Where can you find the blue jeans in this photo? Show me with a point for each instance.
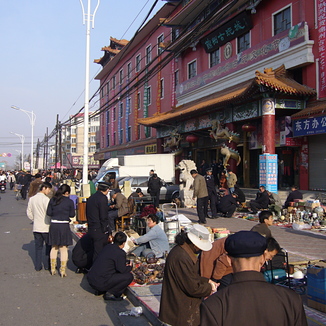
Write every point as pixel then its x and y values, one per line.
pixel 40 239
pixel 142 250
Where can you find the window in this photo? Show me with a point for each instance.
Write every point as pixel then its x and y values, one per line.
pixel 129 70
pixel 108 140
pixel 121 110
pixel 92 149
pixel 121 76
pixel 95 119
pixel 282 20
pixel 128 105
pixel 73 150
pixel 102 92
pixel 129 133
pixel 92 139
pixel 162 88
pixel 108 116
pixel 160 40
pixel 113 82
pixel 138 62
pixel 192 69
pixel 68 146
pixel 73 130
pixel 121 136
pixel 214 58
pixel 114 114
pixel 114 138
pixel 149 95
pixel 73 140
pixel 108 87
pixel 176 79
pixel 138 101
pixel 175 33
pixel 148 54
pixel 243 42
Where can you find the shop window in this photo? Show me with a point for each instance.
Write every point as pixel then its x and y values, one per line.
pixel 282 20
pixel 192 69
pixel 243 42
pixel 214 58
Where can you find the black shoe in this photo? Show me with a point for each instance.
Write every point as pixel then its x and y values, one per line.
pixel 97 293
pixel 80 271
pixel 108 296
pixel 202 222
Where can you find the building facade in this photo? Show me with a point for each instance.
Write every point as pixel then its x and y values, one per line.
pixel 238 76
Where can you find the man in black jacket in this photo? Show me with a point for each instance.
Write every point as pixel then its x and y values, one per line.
pixel 110 273
pixel 294 194
pixel 212 194
pixel 261 201
pixel 97 217
pixel 154 188
pixel 228 204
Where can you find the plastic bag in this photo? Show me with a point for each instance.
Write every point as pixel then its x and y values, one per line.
pixel 135 311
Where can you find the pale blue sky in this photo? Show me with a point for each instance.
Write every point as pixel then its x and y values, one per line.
pixel 42 59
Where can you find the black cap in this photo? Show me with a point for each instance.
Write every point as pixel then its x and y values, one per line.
pixel 105 184
pixel 115 191
pixel 244 244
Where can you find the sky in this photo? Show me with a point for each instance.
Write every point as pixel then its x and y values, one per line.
pixel 42 60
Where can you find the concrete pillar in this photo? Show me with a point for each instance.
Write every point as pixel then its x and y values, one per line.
pixel 268 124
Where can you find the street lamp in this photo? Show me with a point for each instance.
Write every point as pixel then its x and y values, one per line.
pixel 32 117
pixel 87 17
pixel 22 139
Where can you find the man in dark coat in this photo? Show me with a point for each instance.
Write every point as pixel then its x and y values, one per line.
pixel 261 201
pixel 294 194
pixel 228 204
pixel 97 217
pixel 249 300
pixel 110 272
pixel 212 194
pixel 82 254
pixel 154 188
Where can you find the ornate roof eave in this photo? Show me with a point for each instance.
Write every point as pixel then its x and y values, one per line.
pixel 313 109
pixel 276 81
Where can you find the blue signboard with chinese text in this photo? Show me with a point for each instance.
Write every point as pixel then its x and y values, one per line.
pixel 309 126
pixel 268 172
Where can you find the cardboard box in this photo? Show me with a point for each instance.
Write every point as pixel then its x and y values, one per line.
pixel 316 283
pixel 316 305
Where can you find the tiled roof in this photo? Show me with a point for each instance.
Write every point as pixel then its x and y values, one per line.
pixel 109 49
pixel 121 42
pixel 276 80
pixel 312 109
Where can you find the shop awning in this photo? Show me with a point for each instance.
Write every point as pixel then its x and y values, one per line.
pixel 312 109
pixel 273 80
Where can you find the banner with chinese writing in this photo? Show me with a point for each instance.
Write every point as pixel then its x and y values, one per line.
pixel 321 18
pixel 268 171
pixel 309 126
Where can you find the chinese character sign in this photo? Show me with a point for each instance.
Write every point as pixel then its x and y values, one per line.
pixel 309 126
pixel 321 18
pixel 268 171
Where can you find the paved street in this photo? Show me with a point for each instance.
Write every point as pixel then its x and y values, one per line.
pixel 32 298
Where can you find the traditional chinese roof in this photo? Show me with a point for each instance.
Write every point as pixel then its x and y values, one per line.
pixel 122 42
pixel 312 109
pixel 273 80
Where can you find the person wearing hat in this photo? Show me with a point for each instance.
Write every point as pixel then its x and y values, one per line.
pixel 212 194
pixel 97 217
pixel 201 193
pixel 250 300
pixel 228 204
pixel 118 208
pixel 183 288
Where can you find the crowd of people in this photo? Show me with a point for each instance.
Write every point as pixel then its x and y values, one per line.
pixel 219 283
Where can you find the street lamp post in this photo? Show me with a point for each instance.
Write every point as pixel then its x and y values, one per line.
pixel 87 17
pixel 22 139
pixel 32 117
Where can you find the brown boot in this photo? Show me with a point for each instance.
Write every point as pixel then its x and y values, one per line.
pixel 63 267
pixel 53 264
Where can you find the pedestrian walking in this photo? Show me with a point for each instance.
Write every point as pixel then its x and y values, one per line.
pixel 201 193
pixel 11 180
pixel 36 211
pixel 60 208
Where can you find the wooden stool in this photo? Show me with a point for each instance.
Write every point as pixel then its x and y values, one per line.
pixel 122 221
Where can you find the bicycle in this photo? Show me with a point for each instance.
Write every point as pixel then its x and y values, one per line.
pixel 18 189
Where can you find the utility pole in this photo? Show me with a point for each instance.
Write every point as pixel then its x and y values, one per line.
pixel 60 146
pixel 56 142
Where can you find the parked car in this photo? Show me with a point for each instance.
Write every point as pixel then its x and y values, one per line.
pixel 169 191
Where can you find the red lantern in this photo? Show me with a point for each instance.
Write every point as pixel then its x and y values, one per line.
pixel 192 139
pixel 248 127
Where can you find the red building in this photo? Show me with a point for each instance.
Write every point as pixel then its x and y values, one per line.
pixel 201 68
